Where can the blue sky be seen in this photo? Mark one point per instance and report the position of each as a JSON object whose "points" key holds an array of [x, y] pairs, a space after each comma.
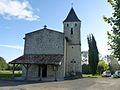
{"points": [[18, 17]]}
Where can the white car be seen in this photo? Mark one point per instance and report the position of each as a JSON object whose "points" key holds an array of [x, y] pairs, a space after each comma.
{"points": [[106, 73], [117, 74]]}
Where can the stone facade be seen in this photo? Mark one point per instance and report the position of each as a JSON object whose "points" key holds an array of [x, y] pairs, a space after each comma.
{"points": [[73, 48], [44, 41]]}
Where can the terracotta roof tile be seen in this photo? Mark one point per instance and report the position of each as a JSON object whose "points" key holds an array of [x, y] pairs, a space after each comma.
{"points": [[39, 59]]}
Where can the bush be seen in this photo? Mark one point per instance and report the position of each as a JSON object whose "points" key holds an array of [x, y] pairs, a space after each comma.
{"points": [[86, 69], [102, 66]]}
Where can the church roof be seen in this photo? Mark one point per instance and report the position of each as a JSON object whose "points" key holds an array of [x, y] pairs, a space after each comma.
{"points": [[44, 29], [71, 16], [55, 59]]}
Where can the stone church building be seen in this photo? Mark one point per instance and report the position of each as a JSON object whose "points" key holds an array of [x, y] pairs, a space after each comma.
{"points": [[49, 54]]}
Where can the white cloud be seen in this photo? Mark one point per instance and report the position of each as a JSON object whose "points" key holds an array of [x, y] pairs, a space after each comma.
{"points": [[13, 46], [18, 9]]}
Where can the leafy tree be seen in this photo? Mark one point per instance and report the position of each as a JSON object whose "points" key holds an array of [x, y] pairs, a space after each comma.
{"points": [[102, 66], [114, 21], [113, 65], [3, 64], [93, 54]]}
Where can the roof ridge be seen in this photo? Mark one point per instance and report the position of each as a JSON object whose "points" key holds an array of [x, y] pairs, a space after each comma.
{"points": [[44, 29]]}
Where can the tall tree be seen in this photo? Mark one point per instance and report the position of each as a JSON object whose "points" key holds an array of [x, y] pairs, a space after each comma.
{"points": [[114, 21], [93, 54]]}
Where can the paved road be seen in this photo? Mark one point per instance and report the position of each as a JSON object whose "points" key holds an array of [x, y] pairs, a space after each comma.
{"points": [[78, 84]]}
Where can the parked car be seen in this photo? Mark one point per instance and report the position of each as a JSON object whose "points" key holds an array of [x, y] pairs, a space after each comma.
{"points": [[116, 74], [106, 73]]}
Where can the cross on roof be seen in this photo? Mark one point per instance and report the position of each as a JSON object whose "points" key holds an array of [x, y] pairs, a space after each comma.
{"points": [[45, 26]]}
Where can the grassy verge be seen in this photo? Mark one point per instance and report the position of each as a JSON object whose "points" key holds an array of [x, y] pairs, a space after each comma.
{"points": [[91, 76], [8, 74]]}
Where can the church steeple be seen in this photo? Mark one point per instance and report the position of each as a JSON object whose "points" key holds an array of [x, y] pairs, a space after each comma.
{"points": [[72, 16]]}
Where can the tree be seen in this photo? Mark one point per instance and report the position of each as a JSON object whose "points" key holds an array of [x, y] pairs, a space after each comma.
{"points": [[93, 57], [3, 64], [114, 21], [113, 65], [102, 66]]}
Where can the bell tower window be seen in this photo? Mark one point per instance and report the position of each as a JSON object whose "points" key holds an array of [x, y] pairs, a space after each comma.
{"points": [[75, 24], [71, 31], [67, 25]]}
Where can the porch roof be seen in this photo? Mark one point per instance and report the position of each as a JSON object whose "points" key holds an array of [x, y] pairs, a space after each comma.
{"points": [[55, 59]]}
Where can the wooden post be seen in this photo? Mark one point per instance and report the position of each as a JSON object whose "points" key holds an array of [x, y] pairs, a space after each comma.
{"points": [[55, 72], [26, 67], [13, 71], [26, 77], [40, 72]]}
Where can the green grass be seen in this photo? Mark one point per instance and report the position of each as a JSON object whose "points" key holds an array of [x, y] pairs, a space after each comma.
{"points": [[91, 76], [8, 74]]}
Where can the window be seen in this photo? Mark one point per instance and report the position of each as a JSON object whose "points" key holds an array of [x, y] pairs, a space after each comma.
{"points": [[71, 31], [75, 24], [67, 25], [73, 61]]}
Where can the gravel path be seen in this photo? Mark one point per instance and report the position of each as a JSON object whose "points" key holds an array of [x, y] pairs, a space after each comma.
{"points": [[78, 84]]}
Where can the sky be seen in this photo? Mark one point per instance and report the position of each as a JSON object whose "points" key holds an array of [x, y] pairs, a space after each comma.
{"points": [[18, 17]]}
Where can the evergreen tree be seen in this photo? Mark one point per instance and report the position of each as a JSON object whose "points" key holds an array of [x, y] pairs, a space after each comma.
{"points": [[93, 54]]}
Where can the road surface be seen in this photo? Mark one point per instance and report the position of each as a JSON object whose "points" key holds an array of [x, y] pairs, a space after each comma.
{"points": [[78, 84]]}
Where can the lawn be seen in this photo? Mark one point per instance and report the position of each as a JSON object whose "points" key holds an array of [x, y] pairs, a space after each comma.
{"points": [[91, 76], [8, 74]]}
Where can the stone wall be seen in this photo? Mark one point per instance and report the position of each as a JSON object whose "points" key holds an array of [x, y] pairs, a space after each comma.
{"points": [[50, 71], [73, 59], [44, 41], [74, 38], [32, 71], [72, 48]]}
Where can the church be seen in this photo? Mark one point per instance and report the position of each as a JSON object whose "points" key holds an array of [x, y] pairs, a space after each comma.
{"points": [[52, 55]]}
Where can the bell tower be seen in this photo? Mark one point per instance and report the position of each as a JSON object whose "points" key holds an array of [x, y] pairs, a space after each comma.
{"points": [[72, 45]]}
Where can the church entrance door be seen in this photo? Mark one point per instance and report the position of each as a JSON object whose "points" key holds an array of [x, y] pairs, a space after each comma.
{"points": [[44, 71]]}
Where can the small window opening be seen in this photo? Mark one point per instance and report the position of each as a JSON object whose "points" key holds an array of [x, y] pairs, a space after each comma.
{"points": [[67, 25], [75, 24], [71, 31]]}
